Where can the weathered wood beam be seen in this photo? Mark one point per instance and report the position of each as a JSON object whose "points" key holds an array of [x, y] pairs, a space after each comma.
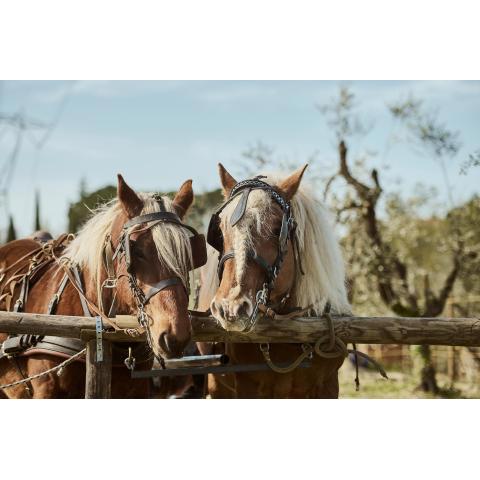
{"points": [[98, 375], [373, 330]]}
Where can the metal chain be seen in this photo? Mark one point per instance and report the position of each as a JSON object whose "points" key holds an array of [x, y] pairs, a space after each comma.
{"points": [[50, 370], [327, 346], [307, 353]]}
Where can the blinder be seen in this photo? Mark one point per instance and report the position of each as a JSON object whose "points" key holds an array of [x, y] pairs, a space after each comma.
{"points": [[197, 240], [214, 233]]}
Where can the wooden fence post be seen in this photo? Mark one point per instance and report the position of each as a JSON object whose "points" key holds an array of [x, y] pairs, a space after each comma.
{"points": [[98, 378]]}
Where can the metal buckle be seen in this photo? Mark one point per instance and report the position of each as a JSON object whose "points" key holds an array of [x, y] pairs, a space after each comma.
{"points": [[130, 360], [110, 283], [18, 305], [99, 338]]}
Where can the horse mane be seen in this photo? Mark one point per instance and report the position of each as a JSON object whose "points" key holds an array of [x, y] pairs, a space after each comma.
{"points": [[321, 258], [172, 242]]}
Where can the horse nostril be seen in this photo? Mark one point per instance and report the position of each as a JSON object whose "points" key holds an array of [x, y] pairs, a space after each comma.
{"points": [[243, 309], [171, 346], [168, 343], [220, 309]]}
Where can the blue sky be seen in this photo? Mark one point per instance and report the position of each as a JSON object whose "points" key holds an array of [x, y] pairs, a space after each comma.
{"points": [[158, 134]]}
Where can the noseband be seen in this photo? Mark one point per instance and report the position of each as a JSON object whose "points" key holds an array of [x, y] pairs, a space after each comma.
{"points": [[287, 231], [150, 220]]}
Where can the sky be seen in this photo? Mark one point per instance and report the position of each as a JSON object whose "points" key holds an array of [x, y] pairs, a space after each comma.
{"points": [[160, 133]]}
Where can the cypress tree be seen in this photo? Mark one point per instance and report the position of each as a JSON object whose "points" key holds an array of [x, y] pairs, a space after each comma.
{"points": [[11, 233], [37, 212]]}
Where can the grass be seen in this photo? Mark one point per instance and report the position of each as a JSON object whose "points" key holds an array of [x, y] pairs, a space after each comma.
{"points": [[399, 385]]}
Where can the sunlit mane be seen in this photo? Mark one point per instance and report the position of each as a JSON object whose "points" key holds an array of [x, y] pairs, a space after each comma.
{"points": [[322, 262], [172, 241]]}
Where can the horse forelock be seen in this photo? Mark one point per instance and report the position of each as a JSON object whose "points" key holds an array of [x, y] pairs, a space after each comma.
{"points": [[171, 241]]}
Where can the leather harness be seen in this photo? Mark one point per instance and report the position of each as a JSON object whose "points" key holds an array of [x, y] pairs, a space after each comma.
{"points": [[271, 271], [35, 261]]}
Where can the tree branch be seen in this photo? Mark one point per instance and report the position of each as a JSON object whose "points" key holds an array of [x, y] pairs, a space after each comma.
{"points": [[436, 304], [362, 189]]}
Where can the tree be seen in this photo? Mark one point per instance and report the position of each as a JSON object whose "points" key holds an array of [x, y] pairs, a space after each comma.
{"points": [[11, 232], [37, 225], [473, 161], [80, 210], [380, 257]]}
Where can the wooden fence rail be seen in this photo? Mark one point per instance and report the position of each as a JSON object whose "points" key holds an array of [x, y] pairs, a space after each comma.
{"points": [[373, 330]]}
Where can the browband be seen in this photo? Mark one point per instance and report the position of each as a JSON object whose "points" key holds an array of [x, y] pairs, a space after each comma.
{"points": [[168, 217], [244, 188]]}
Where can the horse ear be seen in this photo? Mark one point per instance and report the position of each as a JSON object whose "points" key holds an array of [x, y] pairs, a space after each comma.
{"points": [[228, 182], [131, 202], [183, 199], [290, 185]]}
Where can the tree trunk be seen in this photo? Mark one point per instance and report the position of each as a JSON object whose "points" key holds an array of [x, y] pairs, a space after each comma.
{"points": [[428, 381]]}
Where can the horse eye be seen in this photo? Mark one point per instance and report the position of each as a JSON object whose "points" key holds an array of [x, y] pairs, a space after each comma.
{"points": [[276, 231], [138, 252]]}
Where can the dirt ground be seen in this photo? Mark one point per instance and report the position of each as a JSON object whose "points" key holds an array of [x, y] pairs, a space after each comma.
{"points": [[399, 385]]}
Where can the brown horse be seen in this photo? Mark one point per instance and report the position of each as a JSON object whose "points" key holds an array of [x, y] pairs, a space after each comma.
{"points": [[277, 247], [154, 259]]}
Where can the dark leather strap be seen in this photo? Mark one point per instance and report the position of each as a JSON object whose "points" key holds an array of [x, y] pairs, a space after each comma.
{"points": [[239, 211], [83, 301], [22, 299], [52, 306], [67, 346], [162, 285], [222, 261], [170, 217], [260, 261]]}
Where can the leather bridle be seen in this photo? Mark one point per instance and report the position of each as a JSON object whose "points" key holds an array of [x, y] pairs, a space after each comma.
{"points": [[287, 232], [150, 220]]}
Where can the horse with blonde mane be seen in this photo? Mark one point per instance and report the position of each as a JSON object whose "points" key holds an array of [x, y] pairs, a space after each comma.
{"points": [[133, 257], [273, 237]]}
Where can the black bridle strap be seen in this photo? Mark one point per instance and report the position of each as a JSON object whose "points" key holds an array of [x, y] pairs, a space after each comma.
{"points": [[260, 261], [153, 217], [167, 217], [162, 285]]}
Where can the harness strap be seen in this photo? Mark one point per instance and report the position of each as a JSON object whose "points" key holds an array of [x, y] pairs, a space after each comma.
{"points": [[162, 285], [83, 298], [52, 306], [22, 299], [269, 269], [91, 306], [25, 257], [221, 263]]}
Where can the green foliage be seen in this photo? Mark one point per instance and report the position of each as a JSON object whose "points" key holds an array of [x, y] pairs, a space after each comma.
{"points": [[424, 244], [424, 128], [473, 161], [80, 210], [203, 206]]}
